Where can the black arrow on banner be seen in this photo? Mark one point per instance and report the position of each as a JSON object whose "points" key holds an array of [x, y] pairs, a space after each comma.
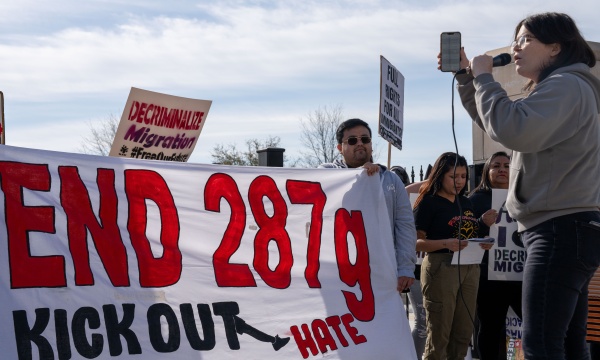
{"points": [[241, 327]]}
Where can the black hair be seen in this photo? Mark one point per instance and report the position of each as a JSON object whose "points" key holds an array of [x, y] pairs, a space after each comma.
{"points": [[486, 184], [558, 28], [402, 174], [349, 124], [442, 165]]}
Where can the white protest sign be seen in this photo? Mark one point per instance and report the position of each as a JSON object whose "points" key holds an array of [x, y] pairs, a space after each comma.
{"points": [[514, 333], [514, 326], [391, 104], [158, 126], [507, 256], [106, 257]]}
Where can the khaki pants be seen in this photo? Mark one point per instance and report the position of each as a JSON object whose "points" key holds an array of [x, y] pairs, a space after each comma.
{"points": [[449, 314]]}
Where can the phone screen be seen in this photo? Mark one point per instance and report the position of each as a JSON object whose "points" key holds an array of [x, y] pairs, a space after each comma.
{"points": [[450, 49]]}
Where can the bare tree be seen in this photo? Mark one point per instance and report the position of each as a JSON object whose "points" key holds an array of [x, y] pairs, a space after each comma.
{"points": [[101, 137], [227, 155], [318, 136], [230, 155]]}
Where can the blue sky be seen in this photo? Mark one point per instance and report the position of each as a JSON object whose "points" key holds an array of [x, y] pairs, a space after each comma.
{"points": [[265, 64]]}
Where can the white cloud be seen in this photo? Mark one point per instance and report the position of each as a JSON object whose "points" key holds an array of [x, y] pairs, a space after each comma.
{"points": [[265, 64]]}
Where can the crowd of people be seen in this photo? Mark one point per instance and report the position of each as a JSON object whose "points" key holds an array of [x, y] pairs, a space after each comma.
{"points": [[443, 307], [553, 194]]}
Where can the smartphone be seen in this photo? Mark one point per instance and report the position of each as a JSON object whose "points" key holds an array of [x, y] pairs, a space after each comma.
{"points": [[450, 50]]}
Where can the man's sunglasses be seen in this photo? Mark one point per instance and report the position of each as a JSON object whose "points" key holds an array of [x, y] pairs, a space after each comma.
{"points": [[353, 140]]}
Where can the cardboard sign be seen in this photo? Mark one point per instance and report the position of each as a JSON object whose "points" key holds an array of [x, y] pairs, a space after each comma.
{"points": [[391, 104], [104, 257], [157, 126], [507, 256]]}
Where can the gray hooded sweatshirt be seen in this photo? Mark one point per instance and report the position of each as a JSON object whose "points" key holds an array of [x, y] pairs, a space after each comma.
{"points": [[555, 135]]}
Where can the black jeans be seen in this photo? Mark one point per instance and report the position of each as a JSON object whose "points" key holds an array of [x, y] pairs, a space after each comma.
{"points": [[493, 300], [562, 255]]}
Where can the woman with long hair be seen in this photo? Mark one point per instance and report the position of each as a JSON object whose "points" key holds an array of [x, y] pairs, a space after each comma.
{"points": [[553, 191], [493, 297], [444, 220]]}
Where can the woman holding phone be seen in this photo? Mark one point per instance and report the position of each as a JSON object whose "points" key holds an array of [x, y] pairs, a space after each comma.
{"points": [[553, 192]]}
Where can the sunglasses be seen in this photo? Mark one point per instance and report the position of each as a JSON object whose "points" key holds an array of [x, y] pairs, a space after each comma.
{"points": [[353, 140]]}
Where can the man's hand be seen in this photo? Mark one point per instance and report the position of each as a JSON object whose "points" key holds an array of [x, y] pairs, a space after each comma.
{"points": [[371, 168], [404, 283]]}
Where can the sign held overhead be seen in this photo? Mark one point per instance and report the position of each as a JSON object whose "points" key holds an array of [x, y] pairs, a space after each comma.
{"points": [[391, 104]]}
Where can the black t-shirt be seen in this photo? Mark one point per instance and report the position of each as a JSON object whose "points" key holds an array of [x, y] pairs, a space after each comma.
{"points": [[482, 202], [439, 218]]}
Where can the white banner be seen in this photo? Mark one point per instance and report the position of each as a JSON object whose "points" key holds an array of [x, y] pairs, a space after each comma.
{"points": [[507, 257], [105, 257], [158, 126], [391, 104]]}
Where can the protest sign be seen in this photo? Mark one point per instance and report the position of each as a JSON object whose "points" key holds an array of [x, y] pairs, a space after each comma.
{"points": [[507, 256], [514, 333], [105, 257], [158, 126], [514, 325], [391, 104]]}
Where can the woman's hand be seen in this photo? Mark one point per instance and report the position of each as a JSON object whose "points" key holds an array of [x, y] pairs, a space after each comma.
{"points": [[486, 246], [455, 244], [489, 217], [481, 64], [464, 60]]}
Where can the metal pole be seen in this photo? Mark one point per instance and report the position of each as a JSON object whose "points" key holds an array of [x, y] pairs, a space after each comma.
{"points": [[2, 128], [389, 155]]}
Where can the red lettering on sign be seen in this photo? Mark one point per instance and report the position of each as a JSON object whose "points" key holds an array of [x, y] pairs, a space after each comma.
{"points": [[347, 319], [28, 271], [334, 322], [75, 200], [142, 113], [142, 185], [135, 105], [359, 272], [271, 228], [305, 342], [222, 186], [304, 192], [322, 337]]}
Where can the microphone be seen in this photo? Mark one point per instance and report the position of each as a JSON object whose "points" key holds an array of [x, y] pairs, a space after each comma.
{"points": [[498, 60], [501, 60]]}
